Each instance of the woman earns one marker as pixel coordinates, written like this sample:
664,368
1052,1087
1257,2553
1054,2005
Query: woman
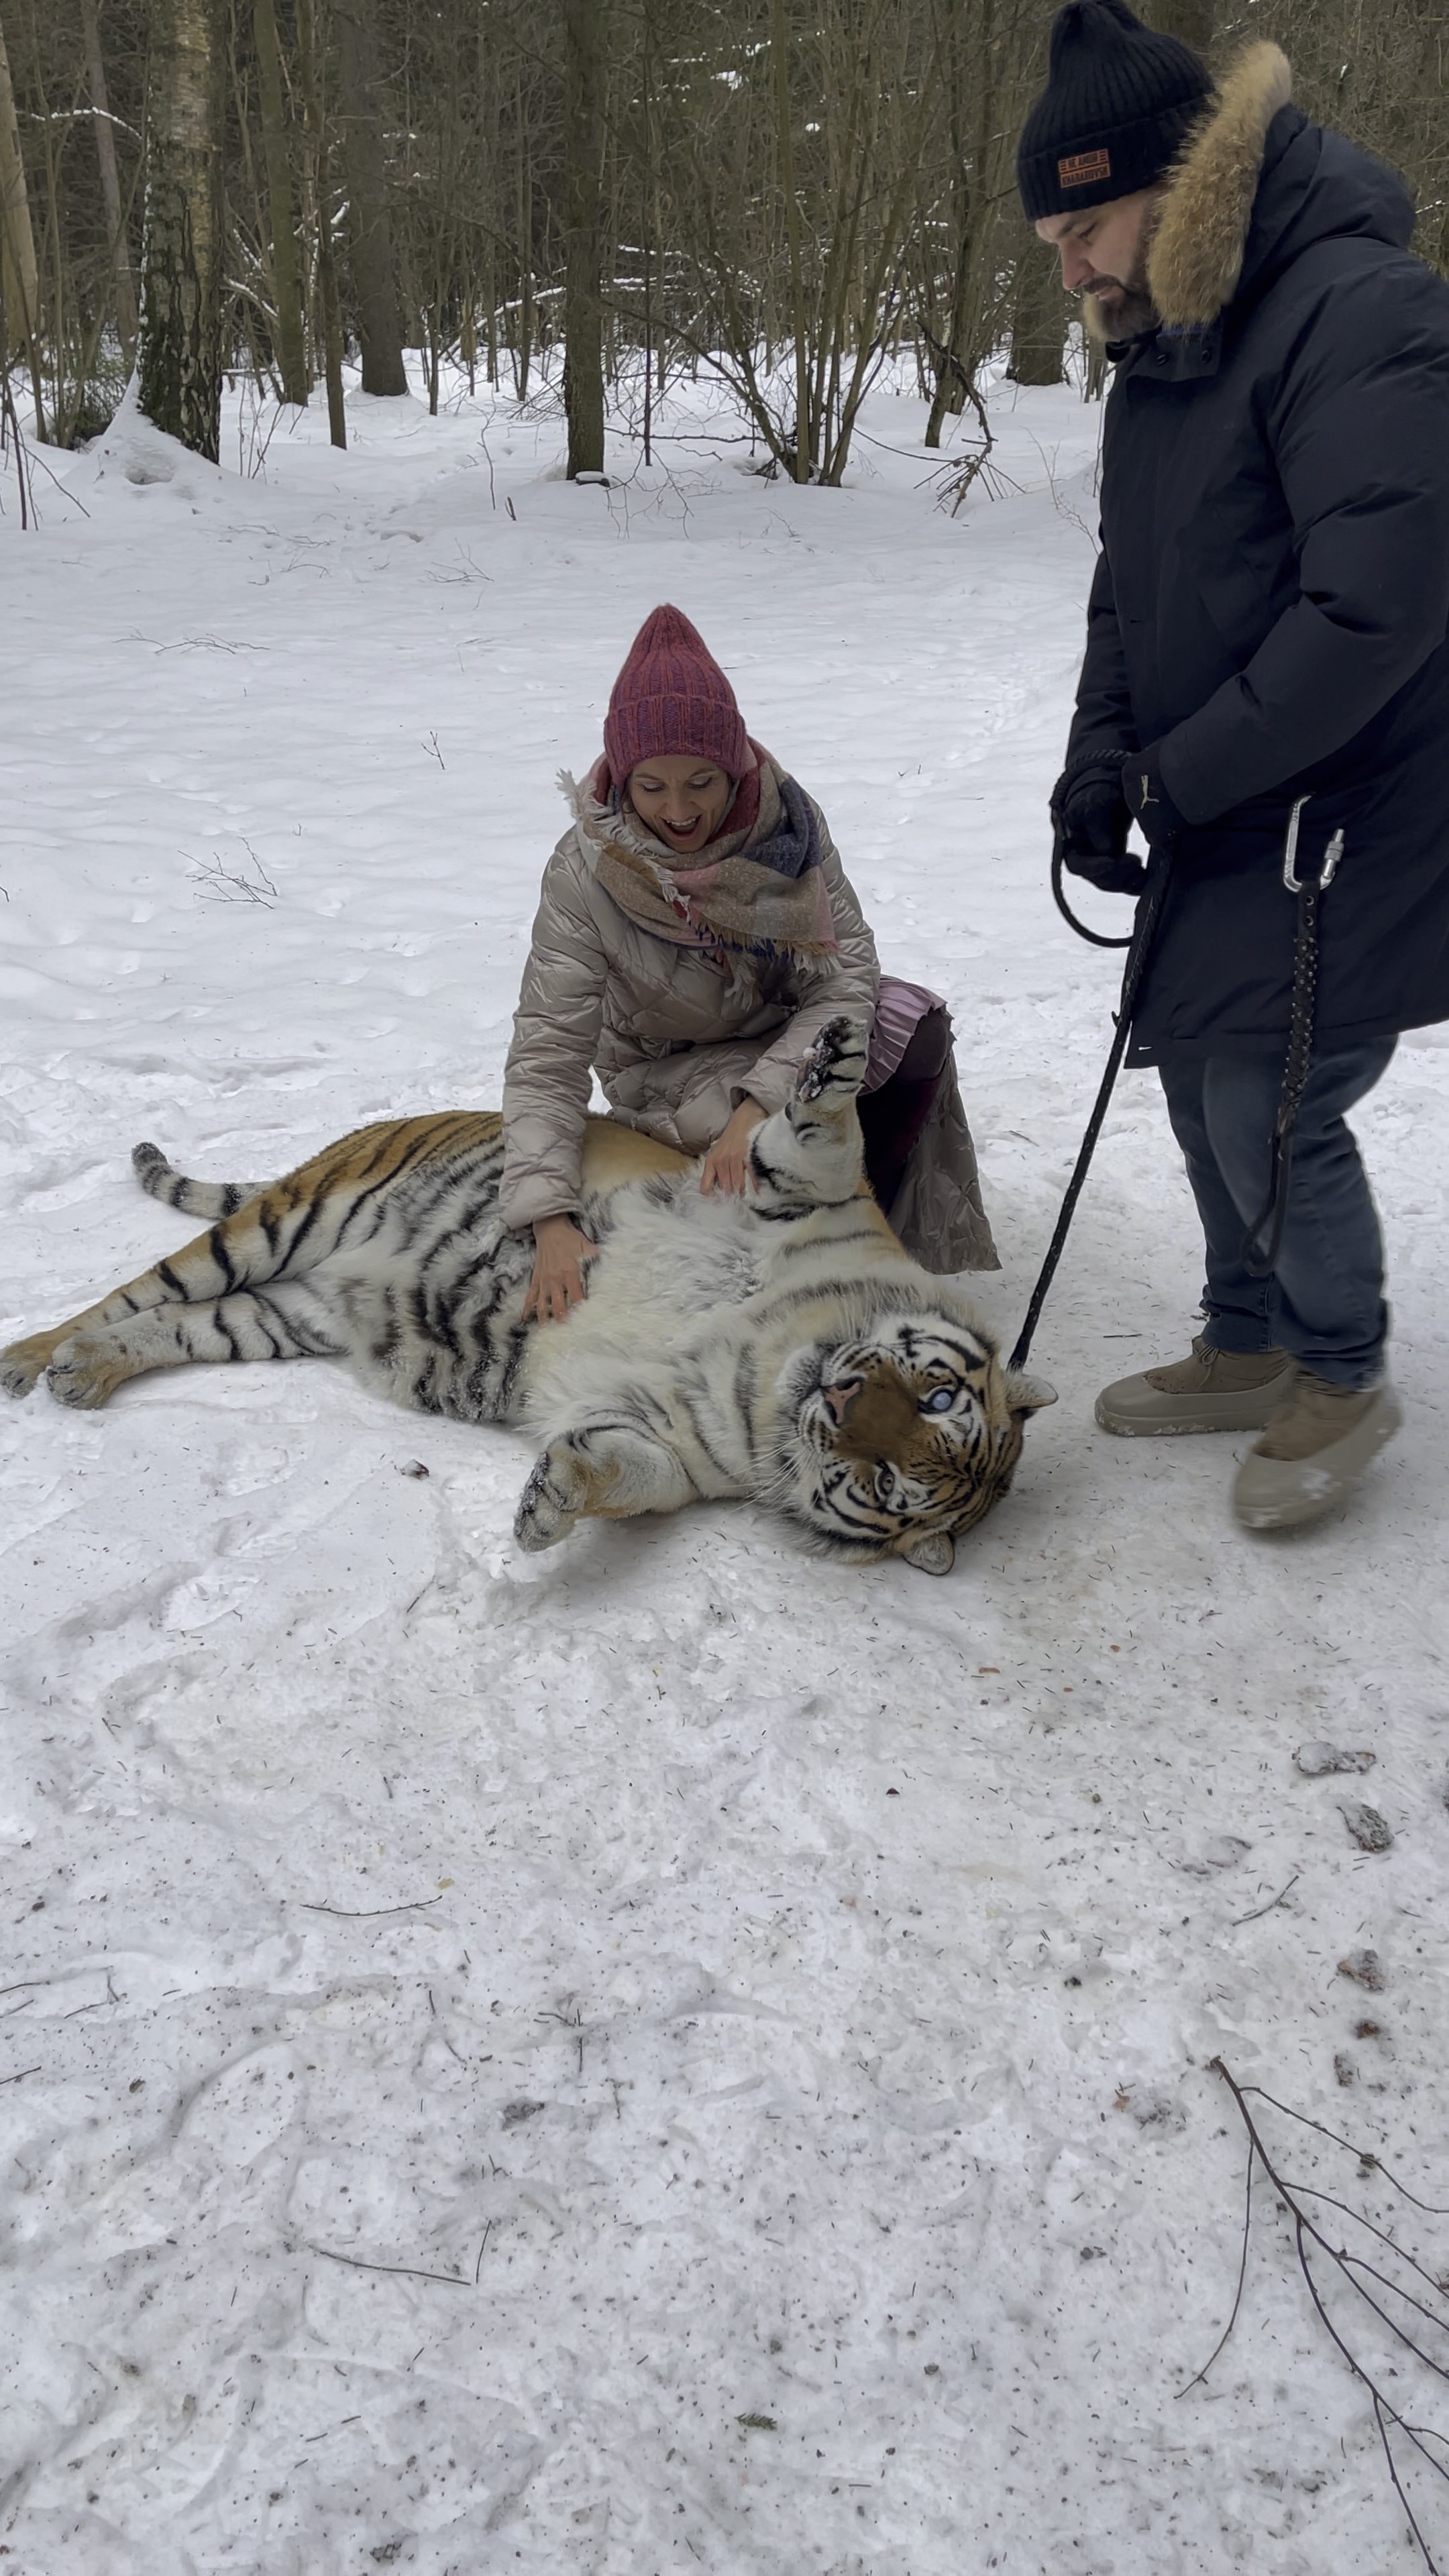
695,932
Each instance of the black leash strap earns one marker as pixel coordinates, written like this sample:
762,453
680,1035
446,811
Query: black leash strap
1260,1259
1111,754
1139,947
1097,938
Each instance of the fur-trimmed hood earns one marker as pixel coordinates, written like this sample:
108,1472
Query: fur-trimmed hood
1215,230
1196,257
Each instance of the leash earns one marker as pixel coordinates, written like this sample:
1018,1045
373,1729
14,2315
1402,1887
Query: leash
1259,1260
1097,938
1138,945
1309,890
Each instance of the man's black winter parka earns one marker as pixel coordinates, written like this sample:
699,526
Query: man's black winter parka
1272,601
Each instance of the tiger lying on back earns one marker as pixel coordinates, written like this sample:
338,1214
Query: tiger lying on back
782,1345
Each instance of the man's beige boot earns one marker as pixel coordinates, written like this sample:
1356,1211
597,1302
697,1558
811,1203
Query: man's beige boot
1313,1450
1212,1391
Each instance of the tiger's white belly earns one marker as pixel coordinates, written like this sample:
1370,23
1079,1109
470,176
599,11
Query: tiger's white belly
700,1302
663,1312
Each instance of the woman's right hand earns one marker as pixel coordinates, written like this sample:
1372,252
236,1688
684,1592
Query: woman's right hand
558,1282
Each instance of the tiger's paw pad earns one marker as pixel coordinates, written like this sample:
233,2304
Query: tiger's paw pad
836,1061
550,1502
83,1375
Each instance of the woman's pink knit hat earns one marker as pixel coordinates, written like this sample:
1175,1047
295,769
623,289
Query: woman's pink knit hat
672,696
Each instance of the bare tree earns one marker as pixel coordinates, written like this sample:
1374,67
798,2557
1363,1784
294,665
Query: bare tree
179,349
584,33
369,210
19,275
788,193
109,168
1038,318
286,269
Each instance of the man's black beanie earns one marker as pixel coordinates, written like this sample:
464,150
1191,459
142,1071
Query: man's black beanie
1118,101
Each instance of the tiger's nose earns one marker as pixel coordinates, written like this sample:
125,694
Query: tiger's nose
842,1395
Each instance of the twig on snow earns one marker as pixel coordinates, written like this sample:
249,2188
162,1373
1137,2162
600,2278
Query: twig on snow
1352,2269
1196,2382
405,2271
216,883
366,1913
1260,1910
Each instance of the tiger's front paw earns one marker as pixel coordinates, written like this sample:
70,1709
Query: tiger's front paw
85,1374
836,1062
551,1500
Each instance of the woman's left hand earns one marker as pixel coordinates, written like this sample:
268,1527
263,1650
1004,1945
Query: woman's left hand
727,1164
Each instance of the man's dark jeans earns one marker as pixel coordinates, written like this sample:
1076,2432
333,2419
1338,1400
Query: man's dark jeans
1325,1301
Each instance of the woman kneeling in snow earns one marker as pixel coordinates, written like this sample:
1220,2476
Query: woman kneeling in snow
696,931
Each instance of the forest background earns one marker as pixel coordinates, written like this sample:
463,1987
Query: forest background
575,199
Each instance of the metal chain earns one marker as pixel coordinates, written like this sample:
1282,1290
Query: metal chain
1259,1259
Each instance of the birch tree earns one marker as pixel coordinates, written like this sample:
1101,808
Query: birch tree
179,346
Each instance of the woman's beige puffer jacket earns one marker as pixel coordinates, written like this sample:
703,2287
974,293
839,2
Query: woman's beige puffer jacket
676,1041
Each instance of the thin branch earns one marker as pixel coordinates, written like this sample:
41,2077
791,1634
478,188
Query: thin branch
1260,1910
1242,2277
405,2271
366,1913
1349,2267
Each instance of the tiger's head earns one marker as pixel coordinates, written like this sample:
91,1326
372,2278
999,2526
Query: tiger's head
895,1442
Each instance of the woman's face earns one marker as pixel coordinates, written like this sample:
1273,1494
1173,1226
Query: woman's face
681,800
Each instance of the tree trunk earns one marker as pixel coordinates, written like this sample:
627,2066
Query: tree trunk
584,127
315,111
784,144
179,354
1038,319
19,275
125,284
286,275
369,220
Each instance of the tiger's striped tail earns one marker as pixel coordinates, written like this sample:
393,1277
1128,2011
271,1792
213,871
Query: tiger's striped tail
162,1181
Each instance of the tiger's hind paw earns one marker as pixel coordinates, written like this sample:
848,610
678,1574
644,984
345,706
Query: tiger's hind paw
551,1500
84,1374
836,1062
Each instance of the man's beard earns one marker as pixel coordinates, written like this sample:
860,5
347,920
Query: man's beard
1125,305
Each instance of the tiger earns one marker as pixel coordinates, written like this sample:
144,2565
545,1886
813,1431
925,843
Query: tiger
780,1346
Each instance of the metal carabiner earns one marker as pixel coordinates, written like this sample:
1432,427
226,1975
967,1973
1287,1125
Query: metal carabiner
1331,855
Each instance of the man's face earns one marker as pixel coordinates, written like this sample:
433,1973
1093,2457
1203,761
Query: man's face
1104,253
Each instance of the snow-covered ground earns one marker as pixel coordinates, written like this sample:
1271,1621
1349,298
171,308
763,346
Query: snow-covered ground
666,2055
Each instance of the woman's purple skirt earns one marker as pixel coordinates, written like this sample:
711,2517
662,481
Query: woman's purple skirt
910,1051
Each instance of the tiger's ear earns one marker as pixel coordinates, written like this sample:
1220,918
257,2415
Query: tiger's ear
934,1552
1027,1394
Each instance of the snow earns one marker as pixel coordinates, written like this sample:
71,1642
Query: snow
669,2054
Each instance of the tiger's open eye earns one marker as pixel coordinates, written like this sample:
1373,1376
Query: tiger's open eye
940,1400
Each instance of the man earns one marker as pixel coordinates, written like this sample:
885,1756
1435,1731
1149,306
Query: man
1267,626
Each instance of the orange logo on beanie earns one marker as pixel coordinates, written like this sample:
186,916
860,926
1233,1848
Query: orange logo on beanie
1084,169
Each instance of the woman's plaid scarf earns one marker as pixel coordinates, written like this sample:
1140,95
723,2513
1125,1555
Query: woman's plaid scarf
755,891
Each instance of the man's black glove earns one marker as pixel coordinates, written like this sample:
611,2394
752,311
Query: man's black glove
1152,809
1092,817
